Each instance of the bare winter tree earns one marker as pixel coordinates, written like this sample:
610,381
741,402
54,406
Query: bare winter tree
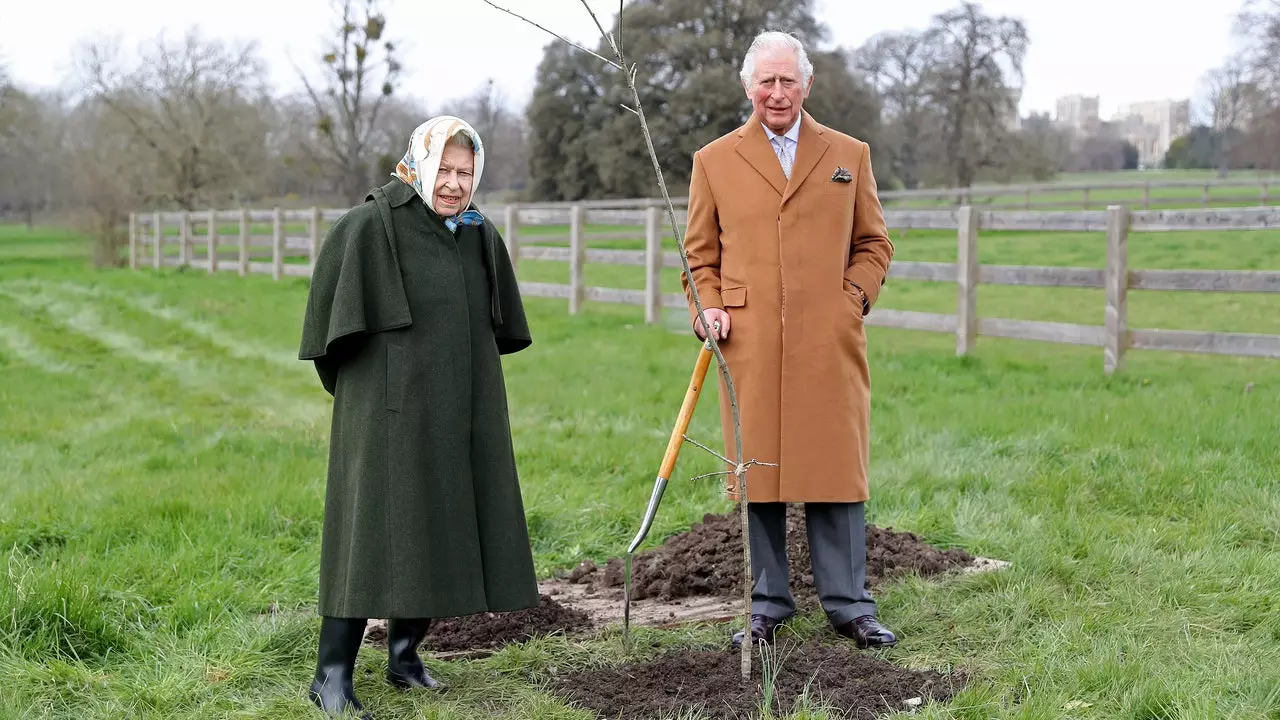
899,66
196,108
300,166
295,167
1039,149
108,180
10,101
504,134
1103,150
397,121
1226,99
1258,25
360,73
973,84
33,167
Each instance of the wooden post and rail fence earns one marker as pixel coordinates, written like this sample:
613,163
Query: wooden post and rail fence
290,247
1243,190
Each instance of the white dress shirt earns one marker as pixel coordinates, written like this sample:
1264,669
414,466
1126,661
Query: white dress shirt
786,142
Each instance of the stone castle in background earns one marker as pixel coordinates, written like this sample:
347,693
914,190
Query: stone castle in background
1151,126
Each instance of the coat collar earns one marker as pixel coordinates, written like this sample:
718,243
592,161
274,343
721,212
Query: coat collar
398,192
401,193
754,147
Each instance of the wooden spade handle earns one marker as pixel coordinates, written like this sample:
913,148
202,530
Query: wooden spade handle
686,412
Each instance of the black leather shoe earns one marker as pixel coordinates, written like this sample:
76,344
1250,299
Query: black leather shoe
867,632
332,690
762,630
404,666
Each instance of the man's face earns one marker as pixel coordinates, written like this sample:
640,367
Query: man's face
775,90
453,182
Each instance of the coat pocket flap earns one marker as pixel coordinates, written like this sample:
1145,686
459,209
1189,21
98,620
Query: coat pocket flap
733,296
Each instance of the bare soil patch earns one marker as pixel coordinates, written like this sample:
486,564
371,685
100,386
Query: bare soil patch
856,684
707,561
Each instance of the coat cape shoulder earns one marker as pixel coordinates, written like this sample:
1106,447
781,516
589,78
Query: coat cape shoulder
357,286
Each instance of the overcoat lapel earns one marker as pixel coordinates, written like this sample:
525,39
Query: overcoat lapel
809,152
755,148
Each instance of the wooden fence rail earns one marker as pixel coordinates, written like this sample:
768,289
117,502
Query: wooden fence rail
293,255
1260,190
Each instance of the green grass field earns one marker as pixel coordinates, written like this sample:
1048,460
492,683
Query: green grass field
162,460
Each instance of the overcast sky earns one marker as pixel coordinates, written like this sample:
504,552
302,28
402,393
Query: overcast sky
1121,50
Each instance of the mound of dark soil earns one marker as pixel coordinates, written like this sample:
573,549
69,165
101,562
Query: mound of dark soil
707,560
493,630
857,685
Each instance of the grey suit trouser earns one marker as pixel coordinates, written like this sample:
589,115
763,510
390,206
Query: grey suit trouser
838,550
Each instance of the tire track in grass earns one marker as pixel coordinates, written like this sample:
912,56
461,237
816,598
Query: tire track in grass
214,335
234,346
19,346
59,417
104,407
74,313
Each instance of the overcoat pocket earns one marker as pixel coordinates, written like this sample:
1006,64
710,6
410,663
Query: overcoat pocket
733,296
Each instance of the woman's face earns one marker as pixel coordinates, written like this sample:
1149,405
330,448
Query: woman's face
453,182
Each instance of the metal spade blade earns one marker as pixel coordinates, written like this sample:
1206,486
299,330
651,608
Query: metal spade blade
660,485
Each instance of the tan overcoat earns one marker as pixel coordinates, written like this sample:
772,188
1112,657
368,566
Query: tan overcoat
779,256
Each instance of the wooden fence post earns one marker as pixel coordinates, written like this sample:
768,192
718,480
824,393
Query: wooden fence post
577,259
158,250
1205,197
1117,288
277,244
512,236
184,239
212,234
1265,189
133,241
652,266
313,248
244,242
1086,197
1146,195
967,270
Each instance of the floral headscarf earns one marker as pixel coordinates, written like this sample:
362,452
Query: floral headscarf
422,160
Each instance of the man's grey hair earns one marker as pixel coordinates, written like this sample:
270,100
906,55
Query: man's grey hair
770,41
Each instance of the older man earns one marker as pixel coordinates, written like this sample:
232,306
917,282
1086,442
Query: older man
788,249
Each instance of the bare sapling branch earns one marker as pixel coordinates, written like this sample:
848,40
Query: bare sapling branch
560,37
722,473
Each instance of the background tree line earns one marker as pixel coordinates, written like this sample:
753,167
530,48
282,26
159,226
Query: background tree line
191,124
937,106
1238,112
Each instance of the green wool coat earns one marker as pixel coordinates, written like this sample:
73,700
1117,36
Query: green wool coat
405,323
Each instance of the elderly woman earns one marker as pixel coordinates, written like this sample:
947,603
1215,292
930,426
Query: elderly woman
412,302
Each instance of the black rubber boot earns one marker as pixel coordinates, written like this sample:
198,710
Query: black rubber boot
332,690
404,666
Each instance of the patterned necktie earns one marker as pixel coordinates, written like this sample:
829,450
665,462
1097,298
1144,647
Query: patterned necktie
784,155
